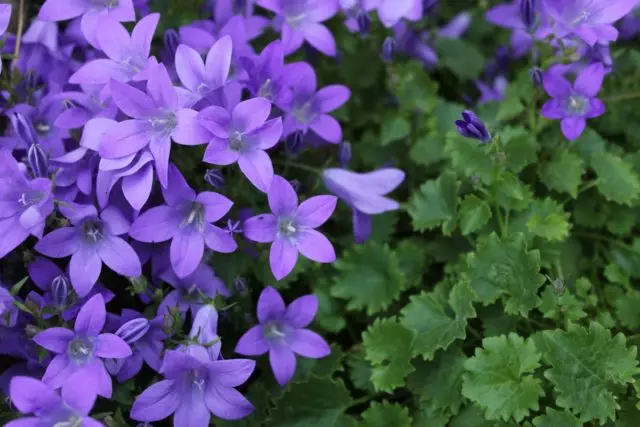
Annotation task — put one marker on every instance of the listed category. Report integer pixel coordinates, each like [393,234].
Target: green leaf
[435,204]
[520,147]
[360,371]
[460,56]
[474,214]
[498,377]
[413,88]
[563,173]
[626,309]
[369,276]
[387,345]
[559,306]
[428,150]
[617,181]
[510,108]
[471,416]
[429,417]
[555,418]
[435,326]
[318,402]
[394,129]
[505,268]
[330,311]
[386,414]
[438,383]
[586,366]
[548,220]
[512,193]
[325,367]
[412,256]
[469,157]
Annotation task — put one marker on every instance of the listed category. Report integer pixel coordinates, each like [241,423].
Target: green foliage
[617,181]
[435,204]
[563,172]
[499,377]
[386,414]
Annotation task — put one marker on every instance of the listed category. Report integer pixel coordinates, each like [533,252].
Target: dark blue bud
[344,154]
[240,285]
[472,127]
[528,13]
[133,330]
[60,290]
[388,49]
[171,41]
[536,76]
[296,184]
[428,6]
[364,22]
[214,178]
[38,161]
[23,128]
[295,143]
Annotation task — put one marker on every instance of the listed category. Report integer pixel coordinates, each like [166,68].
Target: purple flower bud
[344,154]
[296,184]
[60,290]
[214,178]
[38,161]
[171,42]
[133,330]
[294,143]
[388,49]
[536,76]
[23,128]
[239,285]
[364,22]
[472,127]
[528,13]
[428,6]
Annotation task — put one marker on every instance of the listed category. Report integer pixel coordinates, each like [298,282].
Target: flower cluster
[95,196]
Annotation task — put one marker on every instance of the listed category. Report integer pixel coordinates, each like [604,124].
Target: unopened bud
[364,22]
[23,128]
[528,13]
[38,161]
[133,330]
[60,290]
[388,49]
[344,154]
[171,41]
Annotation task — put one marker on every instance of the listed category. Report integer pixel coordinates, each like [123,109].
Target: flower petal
[54,339]
[282,258]
[187,249]
[252,343]
[60,243]
[157,402]
[257,167]
[218,62]
[250,114]
[301,311]
[227,403]
[91,317]
[283,364]
[84,270]
[155,225]
[307,343]
[112,346]
[332,97]
[589,81]
[283,199]
[572,127]
[232,372]
[315,246]
[328,128]
[316,211]
[261,228]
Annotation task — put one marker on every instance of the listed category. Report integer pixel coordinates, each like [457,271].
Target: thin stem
[300,166]
[600,237]
[16,54]
[621,97]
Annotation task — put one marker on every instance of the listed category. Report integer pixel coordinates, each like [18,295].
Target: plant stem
[16,54]
[300,166]
[621,97]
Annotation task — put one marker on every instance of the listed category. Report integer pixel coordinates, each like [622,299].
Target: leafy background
[501,294]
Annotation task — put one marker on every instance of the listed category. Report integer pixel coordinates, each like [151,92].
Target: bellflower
[145,337]
[31,396]
[93,14]
[8,311]
[199,77]
[92,240]
[472,127]
[156,119]
[509,15]
[267,75]
[282,333]
[243,136]
[574,104]
[186,220]
[591,20]
[226,10]
[204,329]
[291,228]
[24,204]
[301,20]
[78,363]
[391,12]
[308,107]
[365,194]
[194,387]
[188,292]
[127,56]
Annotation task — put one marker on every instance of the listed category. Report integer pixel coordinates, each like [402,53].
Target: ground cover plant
[326,213]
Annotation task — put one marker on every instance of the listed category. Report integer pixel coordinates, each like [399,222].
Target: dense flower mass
[158,189]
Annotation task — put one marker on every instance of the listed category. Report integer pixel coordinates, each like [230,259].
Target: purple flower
[574,104]
[31,396]
[78,363]
[492,91]
[267,75]
[509,15]
[91,241]
[93,14]
[127,56]
[365,194]
[591,20]
[291,228]
[204,329]
[157,118]
[199,77]
[282,333]
[186,220]
[146,340]
[308,109]
[24,204]
[243,136]
[472,127]
[391,12]
[301,20]
[194,387]
[8,311]
[190,291]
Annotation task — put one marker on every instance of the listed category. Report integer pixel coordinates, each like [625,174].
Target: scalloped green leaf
[617,181]
[563,173]
[435,204]
[386,414]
